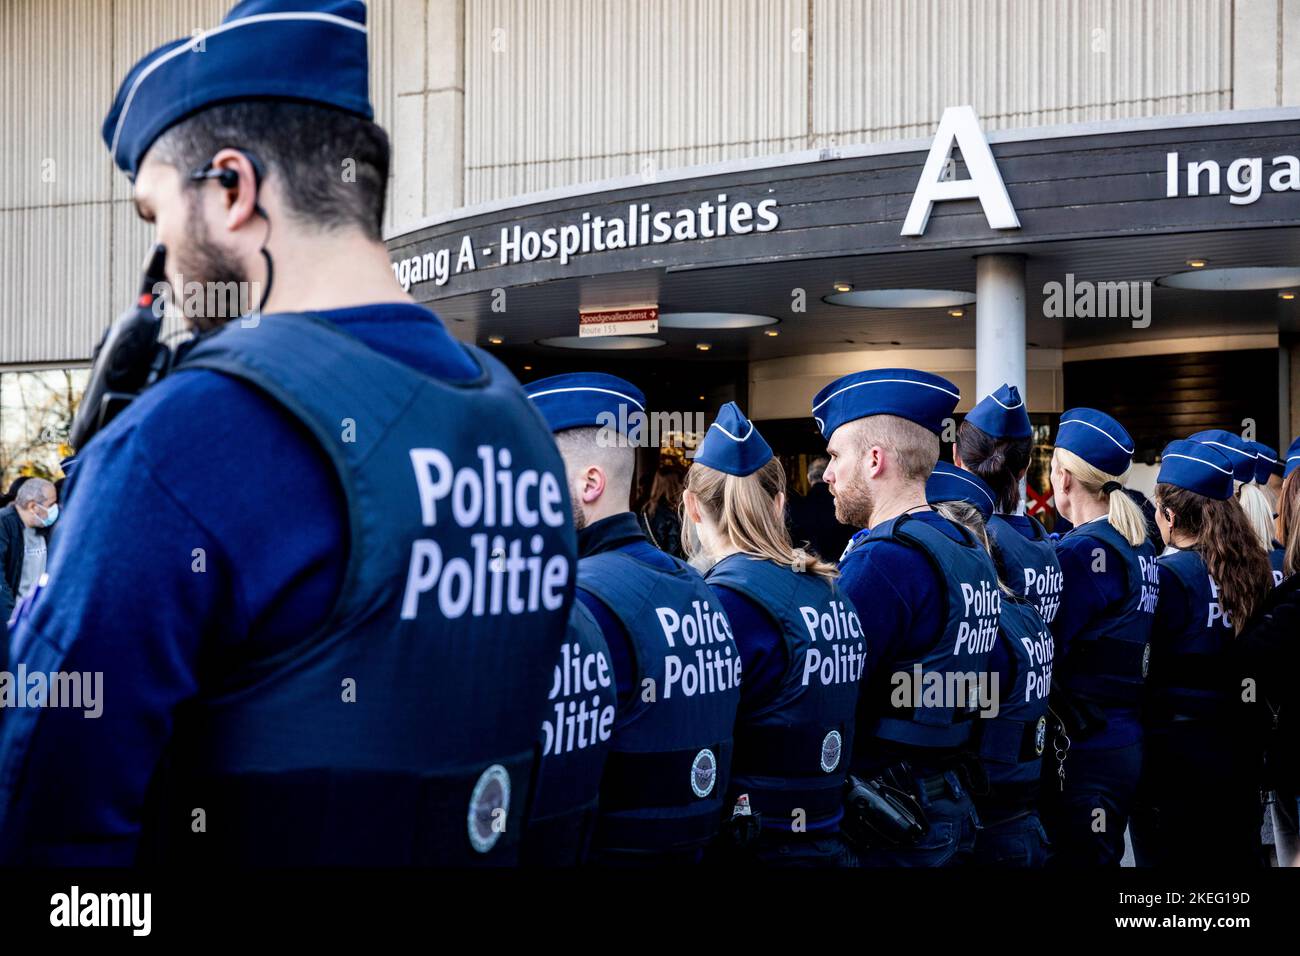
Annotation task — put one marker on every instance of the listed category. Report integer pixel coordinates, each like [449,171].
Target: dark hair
[1236,560]
[999,461]
[332,166]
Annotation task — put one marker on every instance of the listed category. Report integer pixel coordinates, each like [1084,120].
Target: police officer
[1268,478]
[933,602]
[801,645]
[278,556]
[1244,460]
[1288,515]
[1103,634]
[1198,801]
[995,441]
[676,669]
[576,736]
[1013,733]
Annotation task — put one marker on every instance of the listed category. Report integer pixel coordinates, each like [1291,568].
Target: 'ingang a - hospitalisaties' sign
[962,188]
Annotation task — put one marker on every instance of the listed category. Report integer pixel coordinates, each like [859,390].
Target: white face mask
[700,558]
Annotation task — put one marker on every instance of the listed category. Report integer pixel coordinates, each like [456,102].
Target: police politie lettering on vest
[933,593]
[674,660]
[504,573]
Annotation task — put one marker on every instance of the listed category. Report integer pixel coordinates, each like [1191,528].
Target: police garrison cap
[588,400]
[1196,467]
[1266,462]
[906,392]
[733,445]
[1096,438]
[1292,459]
[950,483]
[1002,414]
[311,51]
[1233,447]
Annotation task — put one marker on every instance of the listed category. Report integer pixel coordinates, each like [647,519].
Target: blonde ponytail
[1258,513]
[743,508]
[1124,515]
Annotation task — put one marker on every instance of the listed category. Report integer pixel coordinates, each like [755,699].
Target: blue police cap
[588,400]
[1002,414]
[906,392]
[1196,467]
[732,444]
[312,51]
[1292,459]
[1233,447]
[1096,438]
[1266,462]
[950,483]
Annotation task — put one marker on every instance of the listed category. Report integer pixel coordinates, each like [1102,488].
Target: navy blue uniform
[1012,743]
[1027,562]
[306,658]
[1103,633]
[930,600]
[678,677]
[793,735]
[1198,802]
[576,735]
[1277,557]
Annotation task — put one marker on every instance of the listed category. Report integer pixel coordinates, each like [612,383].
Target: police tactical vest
[1012,743]
[405,730]
[1028,565]
[667,772]
[1108,659]
[1277,558]
[1190,675]
[576,735]
[934,697]
[790,751]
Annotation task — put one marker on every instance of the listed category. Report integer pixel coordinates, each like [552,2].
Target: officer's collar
[610,533]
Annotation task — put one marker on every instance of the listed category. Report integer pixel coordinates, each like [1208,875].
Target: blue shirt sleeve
[153,584]
[764,658]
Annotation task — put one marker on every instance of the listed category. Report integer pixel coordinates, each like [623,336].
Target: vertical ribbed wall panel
[885,69]
[563,91]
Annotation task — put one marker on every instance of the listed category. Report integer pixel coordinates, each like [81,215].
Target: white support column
[999,323]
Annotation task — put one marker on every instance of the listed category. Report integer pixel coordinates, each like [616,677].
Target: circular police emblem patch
[1146,660]
[831,745]
[704,772]
[1040,736]
[488,806]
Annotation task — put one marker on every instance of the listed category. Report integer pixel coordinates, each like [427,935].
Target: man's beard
[206,267]
[853,506]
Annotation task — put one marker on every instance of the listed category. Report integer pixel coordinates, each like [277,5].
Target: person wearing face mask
[1102,633]
[301,666]
[22,543]
[1198,800]
[801,648]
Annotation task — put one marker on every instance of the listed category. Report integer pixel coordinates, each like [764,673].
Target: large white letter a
[960,125]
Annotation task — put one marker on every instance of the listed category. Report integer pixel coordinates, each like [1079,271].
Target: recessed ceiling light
[714,320]
[771,333]
[1196,263]
[1234,280]
[603,343]
[701,398]
[843,287]
[956,313]
[528,368]
[1288,295]
[901,298]
[703,346]
[495,340]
